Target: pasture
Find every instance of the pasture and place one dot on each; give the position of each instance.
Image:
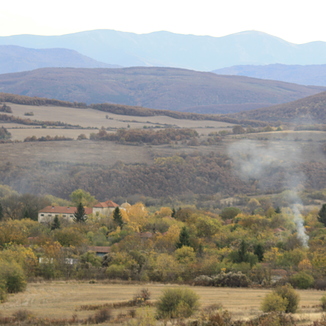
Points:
(61, 299)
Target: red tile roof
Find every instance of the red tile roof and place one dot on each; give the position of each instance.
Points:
(63, 210)
(106, 204)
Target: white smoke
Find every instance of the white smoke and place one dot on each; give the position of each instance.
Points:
(252, 159)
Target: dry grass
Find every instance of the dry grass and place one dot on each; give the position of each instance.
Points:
(61, 299)
(95, 119)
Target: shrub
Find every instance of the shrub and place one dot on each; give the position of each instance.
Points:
(176, 303)
(302, 280)
(231, 279)
(323, 302)
(3, 291)
(287, 292)
(203, 280)
(101, 316)
(320, 284)
(274, 302)
(12, 276)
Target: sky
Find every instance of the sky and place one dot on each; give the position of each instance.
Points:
(292, 20)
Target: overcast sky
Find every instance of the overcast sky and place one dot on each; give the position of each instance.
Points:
(292, 20)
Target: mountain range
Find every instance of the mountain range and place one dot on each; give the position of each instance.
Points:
(203, 53)
(16, 58)
(154, 87)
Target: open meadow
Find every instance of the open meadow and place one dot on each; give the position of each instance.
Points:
(60, 299)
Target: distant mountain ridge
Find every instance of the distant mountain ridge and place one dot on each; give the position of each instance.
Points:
(153, 87)
(203, 53)
(298, 74)
(15, 58)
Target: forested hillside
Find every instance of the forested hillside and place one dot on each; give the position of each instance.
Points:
(156, 88)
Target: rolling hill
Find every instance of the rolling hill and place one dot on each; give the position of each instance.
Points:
(158, 88)
(309, 110)
(204, 53)
(298, 74)
(16, 58)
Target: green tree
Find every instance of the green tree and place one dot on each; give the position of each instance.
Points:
(184, 238)
(1, 212)
(177, 303)
(117, 217)
(55, 224)
(322, 215)
(83, 197)
(80, 214)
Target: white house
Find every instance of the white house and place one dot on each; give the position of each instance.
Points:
(47, 214)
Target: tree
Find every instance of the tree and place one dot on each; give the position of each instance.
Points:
(1, 212)
(83, 197)
(80, 214)
(117, 217)
(184, 238)
(55, 224)
(322, 215)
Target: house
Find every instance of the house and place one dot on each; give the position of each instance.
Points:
(105, 208)
(47, 214)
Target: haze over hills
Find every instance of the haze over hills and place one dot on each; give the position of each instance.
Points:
(298, 74)
(167, 49)
(158, 88)
(16, 58)
(309, 110)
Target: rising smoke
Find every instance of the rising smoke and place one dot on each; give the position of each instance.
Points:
(253, 160)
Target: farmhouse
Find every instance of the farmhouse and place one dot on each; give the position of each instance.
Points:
(105, 208)
(47, 214)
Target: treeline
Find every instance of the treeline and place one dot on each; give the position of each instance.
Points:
(199, 178)
(38, 101)
(46, 138)
(159, 137)
(145, 112)
(27, 121)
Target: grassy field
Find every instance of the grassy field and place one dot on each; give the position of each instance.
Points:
(63, 299)
(89, 118)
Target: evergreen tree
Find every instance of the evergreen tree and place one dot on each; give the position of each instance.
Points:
(173, 212)
(117, 217)
(1, 212)
(80, 214)
(184, 238)
(55, 224)
(322, 215)
(259, 251)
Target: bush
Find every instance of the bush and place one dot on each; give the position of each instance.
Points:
(203, 280)
(274, 303)
(3, 291)
(287, 292)
(102, 315)
(177, 303)
(231, 279)
(302, 280)
(323, 302)
(12, 276)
